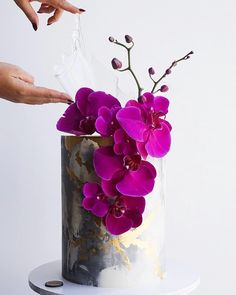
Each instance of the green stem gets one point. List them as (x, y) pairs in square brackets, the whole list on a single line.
[(129, 68), (187, 56)]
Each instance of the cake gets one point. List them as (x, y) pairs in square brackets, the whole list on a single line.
[(92, 256), (113, 201)]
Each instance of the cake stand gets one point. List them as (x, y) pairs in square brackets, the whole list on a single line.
[(180, 281)]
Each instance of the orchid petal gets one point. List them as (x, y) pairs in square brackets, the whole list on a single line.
[(137, 183), (102, 127), (131, 121), (81, 99), (100, 99), (88, 203), (106, 163), (148, 100), (90, 190), (118, 226), (100, 208), (109, 187), (70, 121), (142, 149), (159, 141), (161, 104), (135, 217), (119, 135), (136, 204)]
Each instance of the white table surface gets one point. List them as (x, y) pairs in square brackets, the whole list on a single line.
[(180, 281)]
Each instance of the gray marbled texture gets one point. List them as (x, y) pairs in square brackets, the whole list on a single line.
[(87, 248)]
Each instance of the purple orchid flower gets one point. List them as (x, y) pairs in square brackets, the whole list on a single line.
[(143, 122), (80, 117), (129, 175), (95, 200), (106, 123), (124, 214), (123, 144)]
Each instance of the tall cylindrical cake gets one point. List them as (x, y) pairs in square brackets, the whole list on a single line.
[(92, 256)]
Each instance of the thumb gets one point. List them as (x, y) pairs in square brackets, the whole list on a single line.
[(29, 12)]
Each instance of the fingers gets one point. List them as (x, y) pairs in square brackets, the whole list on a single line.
[(45, 8), (23, 75), (16, 85), (29, 12), (41, 95), (65, 5), (56, 16)]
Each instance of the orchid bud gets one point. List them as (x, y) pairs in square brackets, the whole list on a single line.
[(111, 39), (168, 71), (128, 39), (116, 64), (174, 64), (151, 71), (164, 88), (141, 99)]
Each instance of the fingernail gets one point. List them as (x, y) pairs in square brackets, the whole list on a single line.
[(82, 10), (71, 101), (35, 27)]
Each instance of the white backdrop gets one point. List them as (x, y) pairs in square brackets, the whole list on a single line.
[(201, 182)]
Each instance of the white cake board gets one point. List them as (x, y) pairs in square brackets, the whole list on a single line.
[(179, 281)]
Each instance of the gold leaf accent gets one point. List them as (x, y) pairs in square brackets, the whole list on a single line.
[(116, 244)]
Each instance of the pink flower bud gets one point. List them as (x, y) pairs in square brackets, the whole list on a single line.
[(128, 39), (116, 64), (164, 88), (111, 39), (168, 71), (141, 99), (151, 71)]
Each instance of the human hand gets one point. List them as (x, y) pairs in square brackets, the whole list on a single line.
[(16, 85), (57, 7)]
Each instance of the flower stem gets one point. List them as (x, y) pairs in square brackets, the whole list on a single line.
[(174, 63), (129, 67)]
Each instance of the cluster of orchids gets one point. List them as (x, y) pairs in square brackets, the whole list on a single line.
[(139, 130)]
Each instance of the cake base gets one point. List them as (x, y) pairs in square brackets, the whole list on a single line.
[(180, 281)]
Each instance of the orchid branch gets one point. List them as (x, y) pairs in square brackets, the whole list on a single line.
[(168, 71), (117, 65)]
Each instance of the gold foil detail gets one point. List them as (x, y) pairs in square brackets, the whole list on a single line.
[(116, 244)]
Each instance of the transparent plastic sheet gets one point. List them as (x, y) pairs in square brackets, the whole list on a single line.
[(145, 248), (80, 69)]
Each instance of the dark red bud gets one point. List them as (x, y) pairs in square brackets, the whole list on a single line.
[(111, 39), (128, 39), (174, 64), (142, 99), (151, 71), (164, 88), (116, 64), (168, 71)]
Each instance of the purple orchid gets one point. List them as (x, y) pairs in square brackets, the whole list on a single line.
[(143, 122), (80, 117), (128, 175), (120, 213), (106, 123), (124, 214), (95, 200), (123, 144)]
